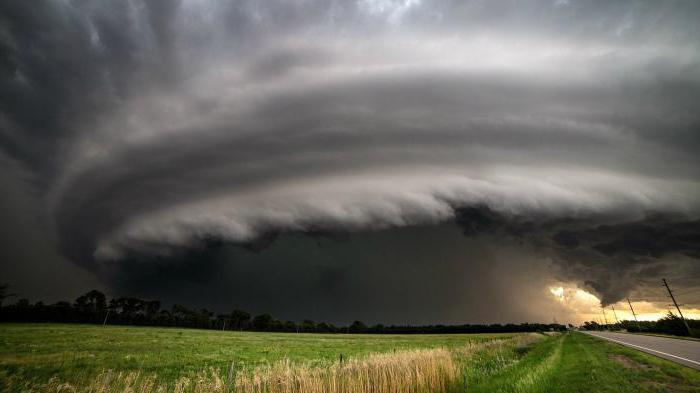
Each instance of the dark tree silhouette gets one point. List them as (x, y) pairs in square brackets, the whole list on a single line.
[(92, 301), (4, 294), (93, 306), (358, 327), (239, 319), (308, 326), (263, 322)]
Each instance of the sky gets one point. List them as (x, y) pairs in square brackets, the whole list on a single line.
[(392, 161)]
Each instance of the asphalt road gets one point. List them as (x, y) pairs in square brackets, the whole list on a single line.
[(685, 352)]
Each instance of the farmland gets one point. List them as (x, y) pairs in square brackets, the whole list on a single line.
[(77, 351), (83, 355)]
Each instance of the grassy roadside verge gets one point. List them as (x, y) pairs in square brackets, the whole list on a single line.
[(575, 362)]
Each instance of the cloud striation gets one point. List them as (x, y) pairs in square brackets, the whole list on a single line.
[(153, 128)]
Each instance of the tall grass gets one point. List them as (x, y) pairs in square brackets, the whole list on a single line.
[(482, 361), (428, 370), (412, 371)]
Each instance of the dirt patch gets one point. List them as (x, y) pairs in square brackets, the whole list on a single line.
[(629, 363), (662, 387)]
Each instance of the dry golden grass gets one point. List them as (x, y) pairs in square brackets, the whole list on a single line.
[(415, 371), (431, 370)]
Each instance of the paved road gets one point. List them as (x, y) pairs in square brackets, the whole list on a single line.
[(685, 352)]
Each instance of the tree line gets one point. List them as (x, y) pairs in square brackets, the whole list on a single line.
[(670, 324), (94, 308)]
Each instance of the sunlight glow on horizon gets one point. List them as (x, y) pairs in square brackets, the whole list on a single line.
[(586, 307)]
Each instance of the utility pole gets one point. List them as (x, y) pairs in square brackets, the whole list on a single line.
[(670, 293), (605, 317), (634, 315), (614, 313), (105, 321)]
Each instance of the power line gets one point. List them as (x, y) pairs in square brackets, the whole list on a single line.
[(634, 315), (670, 293), (686, 292)]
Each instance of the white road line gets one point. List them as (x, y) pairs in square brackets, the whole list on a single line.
[(645, 348)]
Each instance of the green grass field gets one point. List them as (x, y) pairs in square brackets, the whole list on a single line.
[(75, 352), (31, 354)]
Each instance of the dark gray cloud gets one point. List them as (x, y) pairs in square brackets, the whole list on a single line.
[(29, 261), (607, 255), (146, 129), (405, 275)]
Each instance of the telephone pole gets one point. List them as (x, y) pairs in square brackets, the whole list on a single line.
[(615, 314), (104, 323), (670, 293), (634, 315), (605, 317)]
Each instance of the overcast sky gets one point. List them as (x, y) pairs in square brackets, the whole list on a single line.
[(393, 161)]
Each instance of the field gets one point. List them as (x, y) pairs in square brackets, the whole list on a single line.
[(77, 351), (93, 358)]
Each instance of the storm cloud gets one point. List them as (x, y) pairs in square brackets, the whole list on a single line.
[(146, 131)]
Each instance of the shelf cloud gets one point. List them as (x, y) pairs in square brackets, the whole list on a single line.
[(149, 129)]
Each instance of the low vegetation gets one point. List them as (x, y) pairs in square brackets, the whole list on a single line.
[(553, 362)]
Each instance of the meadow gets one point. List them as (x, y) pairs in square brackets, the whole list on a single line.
[(88, 358)]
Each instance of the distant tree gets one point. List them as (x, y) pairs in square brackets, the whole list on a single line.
[(358, 327), (262, 322), (239, 319), (671, 324), (308, 326), (134, 311), (94, 301), (204, 318), (165, 318), (152, 307), (4, 293), (180, 311), (592, 325), (289, 326), (128, 306), (276, 326)]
